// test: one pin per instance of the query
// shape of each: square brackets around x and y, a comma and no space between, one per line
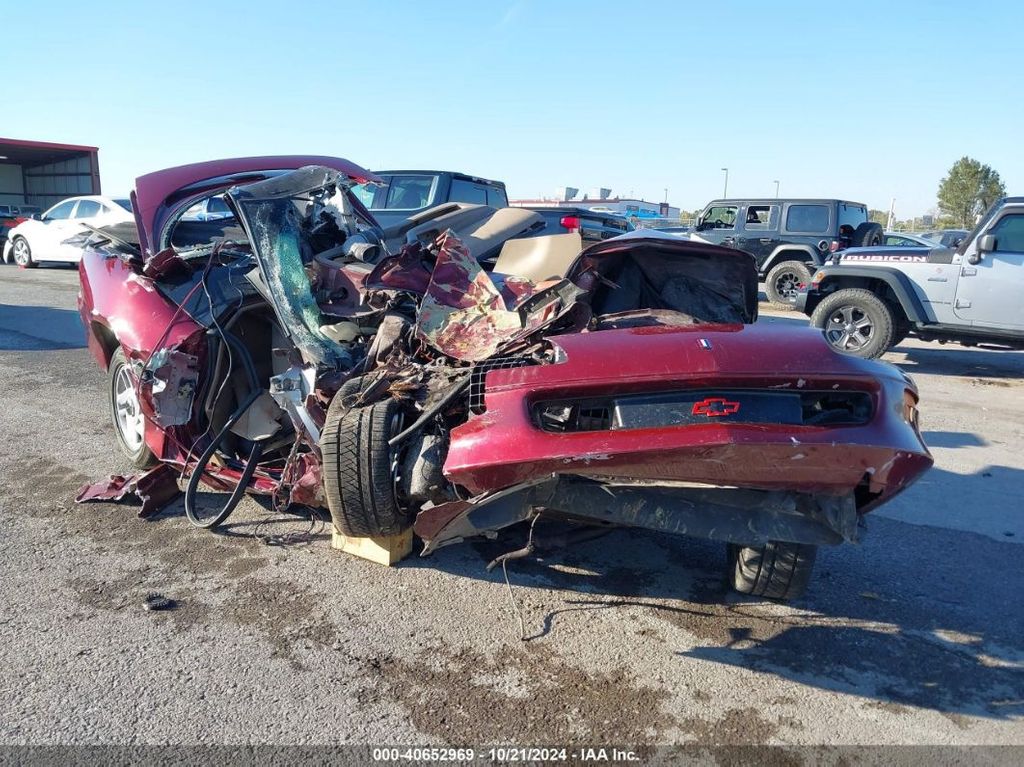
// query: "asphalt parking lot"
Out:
[912,637]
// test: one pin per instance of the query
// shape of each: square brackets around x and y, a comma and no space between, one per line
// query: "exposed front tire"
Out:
[777,570]
[22,253]
[129,422]
[856,322]
[360,470]
[783,282]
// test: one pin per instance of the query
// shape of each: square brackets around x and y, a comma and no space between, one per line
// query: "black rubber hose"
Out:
[204,459]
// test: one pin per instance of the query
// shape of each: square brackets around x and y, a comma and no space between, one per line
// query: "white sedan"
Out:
[43,239]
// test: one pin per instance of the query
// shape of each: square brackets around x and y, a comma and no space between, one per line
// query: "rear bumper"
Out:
[504,446]
[746,517]
[807,300]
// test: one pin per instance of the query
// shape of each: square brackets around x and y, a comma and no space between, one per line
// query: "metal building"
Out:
[42,173]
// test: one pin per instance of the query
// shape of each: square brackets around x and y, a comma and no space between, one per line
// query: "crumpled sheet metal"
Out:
[154,488]
[465,315]
[305,481]
[735,515]
[170,389]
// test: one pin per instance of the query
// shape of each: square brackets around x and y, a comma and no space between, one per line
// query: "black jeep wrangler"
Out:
[788,237]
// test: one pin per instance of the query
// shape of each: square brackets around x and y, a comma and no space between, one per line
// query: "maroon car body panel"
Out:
[503,446]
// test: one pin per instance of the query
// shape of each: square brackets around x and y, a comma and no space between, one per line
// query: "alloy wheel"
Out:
[787,285]
[21,252]
[849,328]
[130,421]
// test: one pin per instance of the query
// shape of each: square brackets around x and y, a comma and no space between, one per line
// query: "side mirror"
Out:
[985,244]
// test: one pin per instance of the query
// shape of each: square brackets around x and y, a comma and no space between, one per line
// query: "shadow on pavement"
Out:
[969,363]
[39,328]
[915,615]
[954,439]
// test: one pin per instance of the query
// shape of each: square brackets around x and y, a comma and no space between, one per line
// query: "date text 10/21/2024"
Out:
[502,754]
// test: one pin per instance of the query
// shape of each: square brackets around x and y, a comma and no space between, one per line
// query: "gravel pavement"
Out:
[915,636]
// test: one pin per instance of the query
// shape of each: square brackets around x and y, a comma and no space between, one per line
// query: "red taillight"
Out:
[572,223]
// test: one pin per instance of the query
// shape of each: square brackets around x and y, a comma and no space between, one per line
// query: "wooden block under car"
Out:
[384,551]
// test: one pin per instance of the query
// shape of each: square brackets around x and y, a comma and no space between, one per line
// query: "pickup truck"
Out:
[408,192]
[867,300]
[592,225]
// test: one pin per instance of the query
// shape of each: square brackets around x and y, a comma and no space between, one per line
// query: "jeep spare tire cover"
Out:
[867,235]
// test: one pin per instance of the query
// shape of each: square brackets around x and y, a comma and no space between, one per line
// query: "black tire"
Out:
[856,322]
[868,235]
[781,284]
[777,570]
[137,452]
[22,253]
[359,469]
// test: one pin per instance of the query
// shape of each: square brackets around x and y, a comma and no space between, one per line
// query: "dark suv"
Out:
[789,238]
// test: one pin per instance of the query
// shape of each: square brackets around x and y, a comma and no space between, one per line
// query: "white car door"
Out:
[87,212]
[55,225]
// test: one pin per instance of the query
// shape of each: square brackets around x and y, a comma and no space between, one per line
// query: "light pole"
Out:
[725,190]
[776,189]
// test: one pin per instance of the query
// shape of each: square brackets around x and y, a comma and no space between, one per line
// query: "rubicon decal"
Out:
[715,406]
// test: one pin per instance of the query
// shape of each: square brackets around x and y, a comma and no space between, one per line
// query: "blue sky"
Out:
[864,100]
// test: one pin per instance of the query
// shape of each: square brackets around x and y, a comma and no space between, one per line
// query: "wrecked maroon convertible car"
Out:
[475,380]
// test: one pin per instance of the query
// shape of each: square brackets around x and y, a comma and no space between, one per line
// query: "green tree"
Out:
[967,190]
[878,216]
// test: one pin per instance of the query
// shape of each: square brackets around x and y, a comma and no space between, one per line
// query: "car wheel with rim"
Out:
[22,253]
[784,280]
[125,410]
[777,570]
[855,322]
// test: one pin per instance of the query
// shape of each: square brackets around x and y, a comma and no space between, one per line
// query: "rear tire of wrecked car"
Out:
[777,570]
[782,283]
[129,424]
[360,469]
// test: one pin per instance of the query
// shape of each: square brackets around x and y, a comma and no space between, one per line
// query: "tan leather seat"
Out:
[498,228]
[539,258]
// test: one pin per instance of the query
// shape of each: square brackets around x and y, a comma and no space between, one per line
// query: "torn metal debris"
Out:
[154,489]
